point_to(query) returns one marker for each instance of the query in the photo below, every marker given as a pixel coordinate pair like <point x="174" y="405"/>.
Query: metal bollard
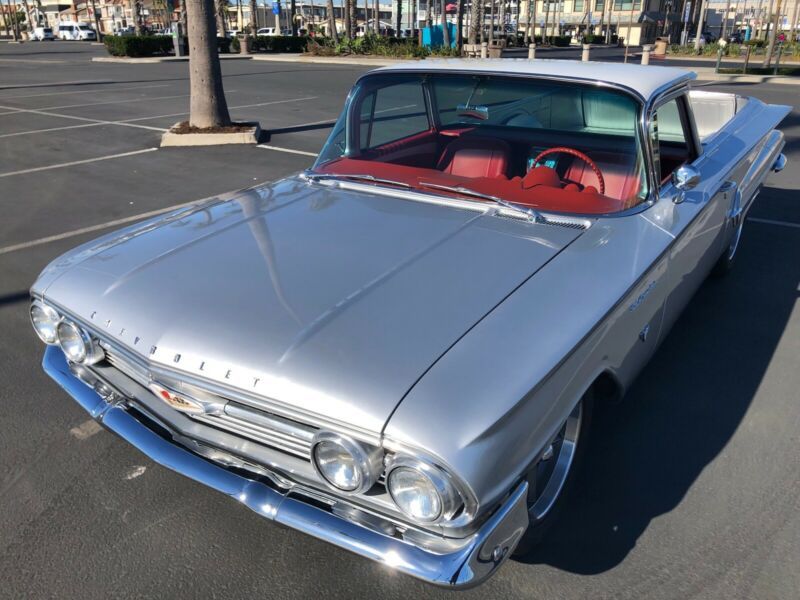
<point x="484" y="49"/>
<point x="646" y="54"/>
<point x="531" y="51"/>
<point x="585" y="55"/>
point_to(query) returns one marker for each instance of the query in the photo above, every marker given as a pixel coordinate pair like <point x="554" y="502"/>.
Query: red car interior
<point x="499" y="167"/>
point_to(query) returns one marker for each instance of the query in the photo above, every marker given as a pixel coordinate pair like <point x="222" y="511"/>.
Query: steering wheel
<point x="576" y="154"/>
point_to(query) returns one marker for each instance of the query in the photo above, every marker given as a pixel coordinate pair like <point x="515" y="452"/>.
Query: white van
<point x="69" y="30"/>
<point x="42" y="33"/>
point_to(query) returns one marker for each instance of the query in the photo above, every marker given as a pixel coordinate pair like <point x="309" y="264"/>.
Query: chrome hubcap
<point x="552" y="471"/>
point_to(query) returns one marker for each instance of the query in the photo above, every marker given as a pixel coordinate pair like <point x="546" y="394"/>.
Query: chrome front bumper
<point x="474" y="560"/>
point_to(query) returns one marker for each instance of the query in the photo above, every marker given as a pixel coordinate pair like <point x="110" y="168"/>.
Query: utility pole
<point x="699" y="31"/>
<point x="773" y="33"/>
<point x="725" y="20"/>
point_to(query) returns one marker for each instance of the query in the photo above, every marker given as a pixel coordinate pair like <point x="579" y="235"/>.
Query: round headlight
<point x="344" y="464"/>
<point x="45" y="321"/>
<point x="422" y="491"/>
<point x="76" y="344"/>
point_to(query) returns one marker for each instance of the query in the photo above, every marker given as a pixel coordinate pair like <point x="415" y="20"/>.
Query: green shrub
<point x="278" y="43"/>
<point x="138" y="45"/>
<point x="560" y="41"/>
<point x="223" y="45"/>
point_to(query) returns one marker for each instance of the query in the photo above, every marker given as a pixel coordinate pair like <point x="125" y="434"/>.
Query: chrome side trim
<point x="472" y="560"/>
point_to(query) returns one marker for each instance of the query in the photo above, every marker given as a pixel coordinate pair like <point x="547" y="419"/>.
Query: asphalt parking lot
<point x="692" y="485"/>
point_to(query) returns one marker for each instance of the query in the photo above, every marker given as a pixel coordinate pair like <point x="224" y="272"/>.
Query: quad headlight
<point x="345" y="464"/>
<point x="76" y="344"/>
<point x="45" y="322"/>
<point x="421" y="490"/>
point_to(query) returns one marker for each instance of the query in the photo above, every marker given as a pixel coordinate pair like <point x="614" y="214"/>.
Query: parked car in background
<point x="398" y="351"/>
<point x="736" y="38"/>
<point x="129" y="30"/>
<point x="268" y="31"/>
<point x="42" y="33"/>
<point x="71" y="30"/>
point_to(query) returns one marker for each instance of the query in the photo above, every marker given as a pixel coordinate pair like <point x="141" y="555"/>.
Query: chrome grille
<point x="259" y="426"/>
<point x="270" y="430"/>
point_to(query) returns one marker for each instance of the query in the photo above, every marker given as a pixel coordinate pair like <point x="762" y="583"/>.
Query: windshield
<point x="84" y="27"/>
<point x="557" y="146"/>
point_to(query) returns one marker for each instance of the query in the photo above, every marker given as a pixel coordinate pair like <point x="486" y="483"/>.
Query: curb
<point x="170" y="139"/>
<point x="160" y="59"/>
<point x="328" y="60"/>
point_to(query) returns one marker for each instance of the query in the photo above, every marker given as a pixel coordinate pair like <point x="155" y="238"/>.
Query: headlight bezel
<point x="92" y="352"/>
<point x="38" y="304"/>
<point x="368" y="461"/>
<point x="451" y="500"/>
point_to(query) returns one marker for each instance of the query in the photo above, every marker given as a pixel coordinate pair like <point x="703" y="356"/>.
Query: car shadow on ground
<point x="645" y="453"/>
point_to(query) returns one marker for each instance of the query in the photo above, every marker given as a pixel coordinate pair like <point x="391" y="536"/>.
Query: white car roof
<point x="645" y="80"/>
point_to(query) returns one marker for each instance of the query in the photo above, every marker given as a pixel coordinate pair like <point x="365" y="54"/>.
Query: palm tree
<point x="253" y="17"/>
<point x="445" y="28"/>
<point x="474" y="15"/>
<point x="332" y="23"/>
<point x="207" y="105"/>
<point x="222" y="25"/>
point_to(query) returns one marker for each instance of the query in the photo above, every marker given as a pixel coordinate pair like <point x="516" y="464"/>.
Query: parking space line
<point x="143" y="99"/>
<point x="106" y="90"/>
<point x="287" y="150"/>
<point x="5" y="135"/>
<point x="77" y="162"/>
<point x="774" y="222"/>
<point x="86" y="119"/>
<point x="114" y="223"/>
<point x="180" y="114"/>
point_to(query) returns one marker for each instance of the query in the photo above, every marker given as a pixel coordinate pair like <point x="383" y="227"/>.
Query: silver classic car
<point x="398" y="351"/>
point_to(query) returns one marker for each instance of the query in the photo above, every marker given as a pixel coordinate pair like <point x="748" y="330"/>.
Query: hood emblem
<point x="178" y="402"/>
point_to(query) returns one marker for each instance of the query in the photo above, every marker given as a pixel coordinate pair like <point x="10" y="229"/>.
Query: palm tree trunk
<point x="207" y="105"/>
<point x="332" y="23"/>
<point x="445" y="28"/>
<point x="413" y="18"/>
<point x="376" y="14"/>
<point x="353" y="18"/>
<point x="222" y="8"/>
<point x="474" y="15"/>
<point x="253" y="17"/>
<point x="460" y="25"/>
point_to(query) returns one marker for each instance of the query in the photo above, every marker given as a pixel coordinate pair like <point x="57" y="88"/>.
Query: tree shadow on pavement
<point x="645" y="453"/>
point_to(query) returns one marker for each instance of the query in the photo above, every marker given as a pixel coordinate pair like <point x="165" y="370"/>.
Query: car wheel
<point x="725" y="263"/>
<point x="550" y="481"/>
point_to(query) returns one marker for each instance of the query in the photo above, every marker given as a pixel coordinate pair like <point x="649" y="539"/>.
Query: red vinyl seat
<point x="475" y="157"/>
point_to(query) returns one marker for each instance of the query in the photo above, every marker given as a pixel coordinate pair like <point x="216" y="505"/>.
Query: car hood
<point x="332" y="302"/>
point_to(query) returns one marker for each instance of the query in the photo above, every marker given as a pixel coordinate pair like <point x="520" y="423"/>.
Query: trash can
<point x="660" y="47"/>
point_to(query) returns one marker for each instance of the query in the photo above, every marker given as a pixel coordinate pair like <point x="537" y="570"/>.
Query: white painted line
<point x="180" y="114"/>
<point x="100" y="91"/>
<point x="85" y="119"/>
<point x="108" y="224"/>
<point x="77" y="162"/>
<point x="5" y="135"/>
<point x="11" y="112"/>
<point x="85" y="430"/>
<point x="135" y="472"/>
<point x="72" y="82"/>
<point x="128" y="101"/>
<point x="773" y="222"/>
<point x="287" y="150"/>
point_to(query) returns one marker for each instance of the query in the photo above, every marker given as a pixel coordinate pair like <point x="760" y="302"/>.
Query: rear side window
<point x="671" y="137"/>
<point x="392" y="113"/>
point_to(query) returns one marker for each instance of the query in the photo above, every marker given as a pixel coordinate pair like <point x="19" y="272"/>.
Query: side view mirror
<point x="684" y="178"/>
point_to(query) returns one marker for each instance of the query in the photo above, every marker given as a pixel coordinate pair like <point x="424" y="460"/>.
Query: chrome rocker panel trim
<point x="470" y="564"/>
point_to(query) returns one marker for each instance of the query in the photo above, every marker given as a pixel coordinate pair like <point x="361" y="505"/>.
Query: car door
<point x="697" y="217"/>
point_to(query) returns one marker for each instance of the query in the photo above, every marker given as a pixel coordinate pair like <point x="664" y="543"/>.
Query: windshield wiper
<point x="356" y="177"/>
<point x="533" y="215"/>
